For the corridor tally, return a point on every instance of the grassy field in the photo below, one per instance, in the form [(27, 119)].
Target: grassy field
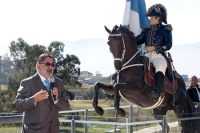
[(9, 129), (75, 104), (139, 115), (83, 104)]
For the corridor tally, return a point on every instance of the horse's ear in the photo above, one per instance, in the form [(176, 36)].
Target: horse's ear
[(107, 30)]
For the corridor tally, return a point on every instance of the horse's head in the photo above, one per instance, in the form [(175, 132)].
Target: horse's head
[(122, 45)]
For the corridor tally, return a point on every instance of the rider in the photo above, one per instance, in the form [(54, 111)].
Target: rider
[(157, 39)]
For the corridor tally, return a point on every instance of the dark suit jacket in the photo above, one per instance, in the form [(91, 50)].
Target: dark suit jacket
[(42, 118), (193, 93)]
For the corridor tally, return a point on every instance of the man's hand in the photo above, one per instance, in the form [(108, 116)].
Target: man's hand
[(54, 93), (40, 96), (150, 48)]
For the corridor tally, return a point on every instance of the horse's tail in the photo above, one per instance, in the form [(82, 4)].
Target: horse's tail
[(186, 109)]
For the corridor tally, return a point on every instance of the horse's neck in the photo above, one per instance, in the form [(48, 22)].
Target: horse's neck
[(131, 51), (132, 54)]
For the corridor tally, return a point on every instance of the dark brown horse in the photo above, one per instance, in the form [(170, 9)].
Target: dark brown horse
[(128, 82)]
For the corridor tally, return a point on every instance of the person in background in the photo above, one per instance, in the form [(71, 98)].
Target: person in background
[(39, 102), (157, 39), (193, 90)]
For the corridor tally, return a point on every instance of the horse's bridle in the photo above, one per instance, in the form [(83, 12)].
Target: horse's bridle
[(125, 65), (124, 47)]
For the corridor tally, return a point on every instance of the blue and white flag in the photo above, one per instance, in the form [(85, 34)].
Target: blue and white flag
[(134, 16)]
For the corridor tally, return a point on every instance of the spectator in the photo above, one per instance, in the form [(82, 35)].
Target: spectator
[(194, 90)]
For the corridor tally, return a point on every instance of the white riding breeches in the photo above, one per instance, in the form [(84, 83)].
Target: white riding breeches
[(158, 61)]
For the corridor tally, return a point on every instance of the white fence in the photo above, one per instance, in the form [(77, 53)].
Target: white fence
[(128, 124)]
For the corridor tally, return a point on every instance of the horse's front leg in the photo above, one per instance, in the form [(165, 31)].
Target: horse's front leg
[(97, 86), (120, 86), (117, 98)]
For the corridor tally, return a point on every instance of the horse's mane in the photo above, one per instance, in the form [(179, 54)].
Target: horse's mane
[(123, 29)]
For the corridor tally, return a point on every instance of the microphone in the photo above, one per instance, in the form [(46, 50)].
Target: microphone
[(52, 81)]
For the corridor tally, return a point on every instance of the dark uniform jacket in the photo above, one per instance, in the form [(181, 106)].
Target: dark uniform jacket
[(159, 36), (192, 92)]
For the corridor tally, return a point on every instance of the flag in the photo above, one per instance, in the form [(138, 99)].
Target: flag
[(135, 19), (134, 16)]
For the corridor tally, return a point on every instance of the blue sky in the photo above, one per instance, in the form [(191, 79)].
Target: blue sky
[(43, 21)]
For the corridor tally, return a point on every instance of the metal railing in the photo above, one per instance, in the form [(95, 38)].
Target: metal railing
[(128, 124)]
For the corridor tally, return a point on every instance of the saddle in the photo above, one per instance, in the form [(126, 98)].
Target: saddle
[(149, 76)]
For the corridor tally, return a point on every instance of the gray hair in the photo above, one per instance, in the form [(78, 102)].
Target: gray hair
[(42, 57)]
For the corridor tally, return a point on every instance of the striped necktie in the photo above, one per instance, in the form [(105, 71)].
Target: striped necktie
[(47, 84)]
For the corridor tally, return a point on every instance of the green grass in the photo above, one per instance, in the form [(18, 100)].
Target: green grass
[(10, 129), (91, 129), (141, 115), (83, 104), (65, 129)]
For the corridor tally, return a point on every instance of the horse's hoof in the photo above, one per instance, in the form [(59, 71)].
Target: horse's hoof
[(121, 112), (99, 110)]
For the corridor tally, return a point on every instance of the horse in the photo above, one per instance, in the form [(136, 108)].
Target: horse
[(128, 82)]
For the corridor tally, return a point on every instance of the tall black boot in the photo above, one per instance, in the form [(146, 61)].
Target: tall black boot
[(159, 85)]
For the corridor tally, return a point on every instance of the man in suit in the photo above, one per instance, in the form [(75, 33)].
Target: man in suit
[(39, 102), (194, 92)]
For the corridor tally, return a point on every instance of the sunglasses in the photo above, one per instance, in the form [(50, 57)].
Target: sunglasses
[(48, 64)]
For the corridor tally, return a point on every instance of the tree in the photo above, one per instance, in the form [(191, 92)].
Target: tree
[(6, 96), (25, 57), (67, 67), (5, 69), (6, 100)]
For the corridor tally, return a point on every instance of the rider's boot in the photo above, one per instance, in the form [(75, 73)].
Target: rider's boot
[(159, 77)]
